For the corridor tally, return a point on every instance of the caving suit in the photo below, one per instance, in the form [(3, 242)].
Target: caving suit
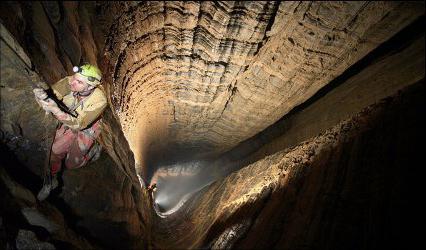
[(76, 136)]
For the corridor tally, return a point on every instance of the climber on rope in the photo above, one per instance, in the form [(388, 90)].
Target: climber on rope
[(79, 125)]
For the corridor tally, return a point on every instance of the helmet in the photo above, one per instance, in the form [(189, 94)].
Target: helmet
[(90, 72)]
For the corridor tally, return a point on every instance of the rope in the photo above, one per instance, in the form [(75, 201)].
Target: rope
[(45, 171)]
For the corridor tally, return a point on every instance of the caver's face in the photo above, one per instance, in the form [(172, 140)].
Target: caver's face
[(78, 83)]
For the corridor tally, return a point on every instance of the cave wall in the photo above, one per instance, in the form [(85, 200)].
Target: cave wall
[(194, 79), (55, 35), (390, 67), (46, 33), (361, 194), (385, 77), (27, 224), (354, 186), (102, 202), (203, 77)]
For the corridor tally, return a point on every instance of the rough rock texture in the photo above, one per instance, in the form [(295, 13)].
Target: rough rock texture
[(103, 201), (107, 205), (385, 71), (22, 215), (352, 187), (201, 77), (397, 70), (55, 35), (24, 125), (27, 240), (187, 80), (170, 50)]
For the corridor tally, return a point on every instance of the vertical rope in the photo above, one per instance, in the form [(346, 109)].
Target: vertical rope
[(47, 177)]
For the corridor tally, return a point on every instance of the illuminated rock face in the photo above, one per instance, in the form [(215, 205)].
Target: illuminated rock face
[(175, 65), (346, 187), (192, 79)]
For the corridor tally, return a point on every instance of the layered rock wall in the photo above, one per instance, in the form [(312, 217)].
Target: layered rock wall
[(165, 54), (395, 64), (192, 79), (350, 187)]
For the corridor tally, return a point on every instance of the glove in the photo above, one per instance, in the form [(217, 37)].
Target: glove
[(39, 94), (49, 106)]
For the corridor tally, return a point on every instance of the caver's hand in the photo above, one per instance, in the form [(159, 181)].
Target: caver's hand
[(40, 94), (50, 106)]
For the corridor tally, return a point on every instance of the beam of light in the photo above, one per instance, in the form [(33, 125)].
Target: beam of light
[(176, 183), (161, 200)]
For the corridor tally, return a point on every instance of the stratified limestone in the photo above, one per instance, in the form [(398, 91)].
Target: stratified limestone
[(349, 186), (193, 77), (198, 78), (165, 53)]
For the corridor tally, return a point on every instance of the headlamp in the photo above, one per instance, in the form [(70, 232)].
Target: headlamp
[(79, 70)]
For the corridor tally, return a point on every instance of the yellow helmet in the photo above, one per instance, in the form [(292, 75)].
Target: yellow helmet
[(90, 72)]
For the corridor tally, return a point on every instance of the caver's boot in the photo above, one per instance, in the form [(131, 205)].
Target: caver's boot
[(49, 184)]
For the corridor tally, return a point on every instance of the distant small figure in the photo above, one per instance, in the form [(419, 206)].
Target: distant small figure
[(152, 188)]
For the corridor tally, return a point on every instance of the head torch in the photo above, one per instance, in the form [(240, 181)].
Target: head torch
[(79, 70)]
